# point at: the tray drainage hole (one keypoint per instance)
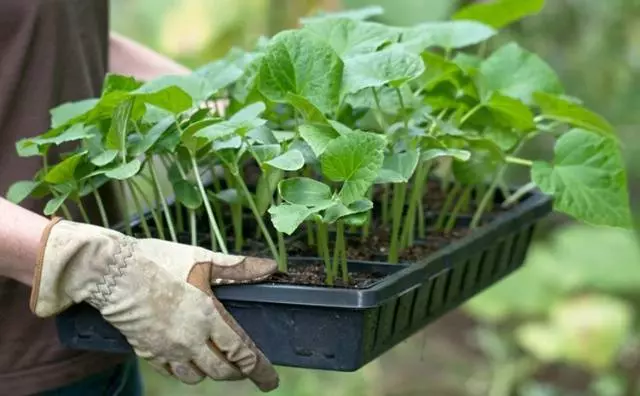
(329, 355)
(304, 352)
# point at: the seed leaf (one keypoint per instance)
(21, 190)
(587, 179)
(104, 158)
(54, 204)
(187, 193)
(298, 62)
(338, 210)
(560, 109)
(446, 34)
(124, 171)
(350, 37)
(266, 152)
(64, 170)
(499, 13)
(483, 163)
(171, 98)
(240, 123)
(398, 167)
(511, 112)
(317, 137)
(304, 191)
(292, 160)
(287, 217)
(68, 112)
(431, 154)
(515, 72)
(355, 160)
(393, 66)
(152, 136)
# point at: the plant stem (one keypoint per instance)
(236, 214)
(464, 198)
(179, 217)
(163, 201)
(323, 241)
(342, 257)
(422, 232)
(207, 206)
(399, 192)
(123, 208)
(367, 225)
(385, 205)
(488, 197)
(447, 204)
(519, 193)
(154, 213)
(404, 110)
(101, 209)
(256, 213)
(518, 161)
(83, 212)
(379, 113)
(310, 236)
(136, 202)
(192, 223)
(408, 231)
(470, 113)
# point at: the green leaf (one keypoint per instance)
(297, 62)
(64, 171)
(152, 136)
(286, 218)
(191, 138)
(511, 112)
(504, 138)
(124, 171)
(171, 98)
(431, 154)
(388, 97)
(398, 167)
(240, 123)
(266, 187)
(217, 75)
(446, 34)
(360, 13)
(58, 136)
(187, 193)
(393, 66)
(54, 204)
(355, 160)
(439, 69)
(119, 83)
(292, 160)
(317, 137)
(349, 37)
(104, 158)
(21, 190)
(266, 152)
(338, 210)
(67, 112)
(560, 109)
(483, 164)
(587, 179)
(515, 72)
(309, 112)
(229, 196)
(499, 13)
(304, 191)
(116, 137)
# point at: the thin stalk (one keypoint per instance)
(310, 235)
(408, 232)
(422, 232)
(399, 192)
(212, 221)
(447, 204)
(518, 161)
(519, 193)
(66, 212)
(470, 113)
(163, 201)
(101, 209)
(83, 212)
(123, 208)
(282, 259)
(404, 110)
(179, 216)
(385, 205)
(379, 113)
(256, 213)
(192, 223)
(488, 197)
(343, 252)
(367, 225)
(464, 198)
(236, 215)
(154, 213)
(136, 202)
(323, 241)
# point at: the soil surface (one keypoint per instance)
(314, 275)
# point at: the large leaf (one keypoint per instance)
(287, 217)
(560, 109)
(124, 171)
(511, 112)
(393, 66)
(64, 171)
(240, 123)
(304, 191)
(446, 34)
(317, 137)
(482, 165)
(499, 13)
(117, 135)
(587, 179)
(219, 74)
(309, 112)
(398, 167)
(21, 190)
(297, 62)
(515, 72)
(187, 193)
(355, 160)
(349, 37)
(67, 112)
(388, 98)
(171, 98)
(292, 160)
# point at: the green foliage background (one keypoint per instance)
(504, 337)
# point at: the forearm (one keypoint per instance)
(131, 58)
(20, 233)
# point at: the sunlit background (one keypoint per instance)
(565, 325)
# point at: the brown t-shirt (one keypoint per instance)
(51, 52)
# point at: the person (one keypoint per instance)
(157, 293)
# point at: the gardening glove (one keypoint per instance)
(158, 295)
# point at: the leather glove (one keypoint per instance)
(158, 295)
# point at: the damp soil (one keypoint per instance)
(312, 274)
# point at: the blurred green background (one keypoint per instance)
(568, 323)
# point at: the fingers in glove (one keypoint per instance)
(186, 372)
(239, 350)
(211, 361)
(227, 269)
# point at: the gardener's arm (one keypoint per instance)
(20, 232)
(134, 59)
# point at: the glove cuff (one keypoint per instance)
(37, 273)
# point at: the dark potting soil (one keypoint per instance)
(313, 274)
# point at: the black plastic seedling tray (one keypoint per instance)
(340, 329)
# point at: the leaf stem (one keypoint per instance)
(519, 193)
(207, 206)
(405, 119)
(518, 161)
(447, 204)
(154, 213)
(323, 236)
(163, 200)
(399, 192)
(83, 212)
(379, 113)
(470, 113)
(101, 209)
(124, 210)
(488, 196)
(464, 198)
(136, 202)
(192, 224)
